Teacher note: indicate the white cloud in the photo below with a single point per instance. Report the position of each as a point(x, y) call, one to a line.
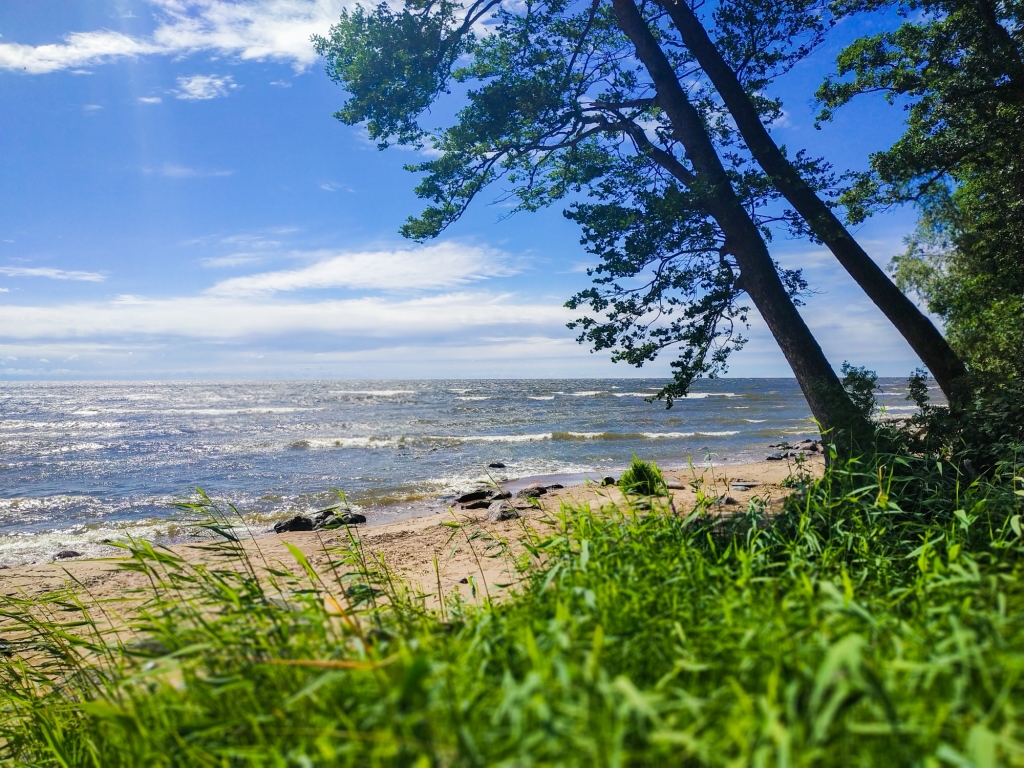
point(5, 290)
point(258, 29)
point(150, 99)
point(203, 87)
point(461, 315)
point(281, 83)
point(79, 49)
point(174, 171)
point(53, 274)
point(445, 265)
point(91, 107)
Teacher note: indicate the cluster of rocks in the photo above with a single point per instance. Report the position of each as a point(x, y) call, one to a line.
point(500, 504)
point(787, 451)
point(327, 518)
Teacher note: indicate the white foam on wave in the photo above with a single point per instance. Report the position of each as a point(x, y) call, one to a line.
point(26, 424)
point(756, 421)
point(704, 395)
point(631, 394)
point(540, 397)
point(375, 442)
point(473, 397)
point(588, 393)
point(668, 435)
point(229, 411)
point(74, 448)
point(498, 438)
point(348, 442)
point(374, 392)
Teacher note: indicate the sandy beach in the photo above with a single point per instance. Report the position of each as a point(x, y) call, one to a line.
point(409, 547)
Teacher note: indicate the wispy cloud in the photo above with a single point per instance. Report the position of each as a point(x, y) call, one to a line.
point(441, 266)
point(203, 87)
point(174, 171)
point(213, 317)
point(234, 260)
point(53, 274)
point(257, 29)
point(79, 49)
point(150, 99)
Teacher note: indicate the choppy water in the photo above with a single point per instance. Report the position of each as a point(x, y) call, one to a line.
point(83, 462)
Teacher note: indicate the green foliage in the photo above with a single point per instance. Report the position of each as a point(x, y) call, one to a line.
point(917, 389)
point(643, 478)
point(985, 424)
point(860, 384)
point(879, 620)
point(554, 106)
point(958, 67)
point(964, 261)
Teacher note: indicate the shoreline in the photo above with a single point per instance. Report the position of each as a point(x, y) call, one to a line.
point(410, 546)
point(92, 538)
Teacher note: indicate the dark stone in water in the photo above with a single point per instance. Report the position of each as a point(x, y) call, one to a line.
point(500, 496)
point(66, 553)
point(474, 496)
point(532, 491)
point(331, 521)
point(502, 510)
point(775, 457)
point(297, 523)
point(608, 481)
point(353, 518)
point(496, 465)
point(554, 486)
point(324, 514)
point(481, 504)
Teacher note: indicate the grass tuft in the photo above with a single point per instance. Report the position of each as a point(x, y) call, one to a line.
point(643, 478)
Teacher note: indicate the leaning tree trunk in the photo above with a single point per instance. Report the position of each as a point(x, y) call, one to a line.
point(916, 328)
point(758, 277)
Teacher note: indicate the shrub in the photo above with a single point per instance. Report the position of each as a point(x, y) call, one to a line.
point(643, 478)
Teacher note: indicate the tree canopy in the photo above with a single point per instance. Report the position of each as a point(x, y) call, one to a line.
point(585, 102)
point(958, 68)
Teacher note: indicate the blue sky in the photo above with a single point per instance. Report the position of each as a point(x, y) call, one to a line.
point(177, 201)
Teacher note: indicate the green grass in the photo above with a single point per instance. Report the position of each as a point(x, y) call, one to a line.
point(643, 478)
point(878, 621)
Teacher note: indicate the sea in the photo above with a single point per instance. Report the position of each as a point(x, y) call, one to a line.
point(82, 464)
